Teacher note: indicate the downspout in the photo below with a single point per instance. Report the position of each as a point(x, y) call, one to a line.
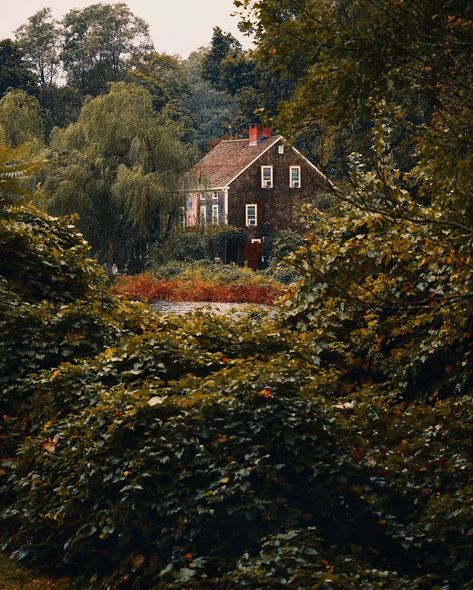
point(225, 205)
point(225, 217)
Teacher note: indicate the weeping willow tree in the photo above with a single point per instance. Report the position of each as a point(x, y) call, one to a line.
point(121, 168)
point(21, 120)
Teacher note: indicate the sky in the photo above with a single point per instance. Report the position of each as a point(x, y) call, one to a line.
point(176, 26)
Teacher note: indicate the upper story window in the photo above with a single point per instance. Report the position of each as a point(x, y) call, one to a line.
point(214, 214)
point(281, 148)
point(215, 195)
point(202, 196)
point(295, 176)
point(267, 176)
point(251, 215)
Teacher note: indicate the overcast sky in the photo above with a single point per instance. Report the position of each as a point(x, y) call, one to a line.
point(176, 26)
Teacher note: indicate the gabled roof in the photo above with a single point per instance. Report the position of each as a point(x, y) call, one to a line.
point(226, 161)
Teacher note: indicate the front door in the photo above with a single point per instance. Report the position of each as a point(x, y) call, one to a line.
point(253, 252)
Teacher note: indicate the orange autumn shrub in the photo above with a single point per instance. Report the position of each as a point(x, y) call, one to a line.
point(144, 287)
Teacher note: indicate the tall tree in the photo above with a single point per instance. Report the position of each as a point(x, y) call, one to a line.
point(347, 54)
point(213, 110)
point(120, 166)
point(40, 40)
point(14, 72)
point(222, 46)
point(165, 77)
point(256, 86)
point(101, 42)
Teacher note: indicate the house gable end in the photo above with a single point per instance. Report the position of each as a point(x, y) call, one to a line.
point(277, 140)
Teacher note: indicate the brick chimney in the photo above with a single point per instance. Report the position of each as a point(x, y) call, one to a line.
point(258, 133)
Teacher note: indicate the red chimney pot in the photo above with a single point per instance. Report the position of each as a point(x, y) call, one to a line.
point(258, 133)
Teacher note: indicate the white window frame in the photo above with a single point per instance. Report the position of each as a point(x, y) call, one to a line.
point(202, 196)
point(247, 217)
point(203, 215)
point(215, 195)
point(215, 214)
point(292, 182)
point(280, 149)
point(266, 183)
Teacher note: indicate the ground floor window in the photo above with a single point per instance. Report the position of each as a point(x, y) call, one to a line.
point(251, 215)
point(214, 214)
point(203, 215)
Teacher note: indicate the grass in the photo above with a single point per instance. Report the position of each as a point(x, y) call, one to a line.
point(16, 577)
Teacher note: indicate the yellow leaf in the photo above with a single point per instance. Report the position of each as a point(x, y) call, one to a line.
point(137, 561)
point(74, 337)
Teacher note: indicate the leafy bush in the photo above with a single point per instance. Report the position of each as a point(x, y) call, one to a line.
point(282, 244)
point(207, 455)
point(182, 245)
point(197, 243)
point(300, 559)
point(220, 506)
point(55, 307)
point(190, 453)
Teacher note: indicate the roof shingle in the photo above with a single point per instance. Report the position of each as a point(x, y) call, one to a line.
point(227, 160)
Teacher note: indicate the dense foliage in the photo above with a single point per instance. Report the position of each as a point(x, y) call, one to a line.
point(330, 447)
point(197, 243)
point(120, 166)
point(20, 119)
point(14, 72)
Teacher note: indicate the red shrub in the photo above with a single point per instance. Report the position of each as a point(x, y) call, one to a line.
point(144, 287)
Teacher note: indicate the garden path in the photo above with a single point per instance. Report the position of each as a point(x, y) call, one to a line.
point(232, 309)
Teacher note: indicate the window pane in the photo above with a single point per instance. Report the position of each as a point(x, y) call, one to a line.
point(266, 176)
point(295, 176)
point(251, 215)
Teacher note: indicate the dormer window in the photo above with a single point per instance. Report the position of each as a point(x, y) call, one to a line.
point(266, 176)
point(295, 176)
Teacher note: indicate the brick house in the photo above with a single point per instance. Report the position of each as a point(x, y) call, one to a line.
point(257, 183)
